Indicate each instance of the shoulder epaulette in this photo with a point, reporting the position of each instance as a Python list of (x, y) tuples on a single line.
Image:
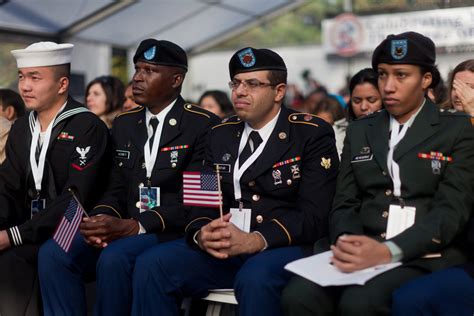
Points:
[(369, 116), (453, 112), (196, 109), (134, 110), (304, 118), (233, 120)]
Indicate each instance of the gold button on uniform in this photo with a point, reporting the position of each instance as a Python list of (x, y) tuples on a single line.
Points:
[(138, 204), (384, 173), (255, 197), (259, 219), (120, 164), (141, 185), (289, 182), (385, 214), (173, 165), (251, 183), (383, 235), (388, 192)]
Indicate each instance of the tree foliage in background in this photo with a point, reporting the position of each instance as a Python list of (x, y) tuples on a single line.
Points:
[(9, 74), (298, 27)]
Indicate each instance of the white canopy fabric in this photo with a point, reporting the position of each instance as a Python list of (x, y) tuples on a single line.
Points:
[(193, 24)]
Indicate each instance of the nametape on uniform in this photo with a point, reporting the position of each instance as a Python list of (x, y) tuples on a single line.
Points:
[(433, 155), (124, 154), (223, 167), (285, 162), (174, 148), (360, 158)]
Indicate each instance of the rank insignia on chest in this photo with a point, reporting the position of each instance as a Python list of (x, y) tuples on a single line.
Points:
[(365, 150), (65, 136), (276, 174), (174, 156), (226, 157), (326, 163), (436, 166), (295, 171)]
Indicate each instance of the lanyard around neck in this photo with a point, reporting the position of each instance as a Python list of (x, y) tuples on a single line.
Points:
[(150, 156), (396, 135), (238, 172), (37, 167)]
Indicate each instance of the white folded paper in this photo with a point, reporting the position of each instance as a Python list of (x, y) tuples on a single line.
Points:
[(319, 270)]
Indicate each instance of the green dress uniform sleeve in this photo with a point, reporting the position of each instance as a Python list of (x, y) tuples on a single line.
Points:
[(344, 216)]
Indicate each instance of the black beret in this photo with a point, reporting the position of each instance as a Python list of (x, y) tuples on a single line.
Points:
[(253, 59), (161, 53), (405, 48)]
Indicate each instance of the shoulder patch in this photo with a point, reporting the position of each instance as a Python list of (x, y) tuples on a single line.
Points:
[(303, 118), (134, 110), (196, 109), (233, 120)]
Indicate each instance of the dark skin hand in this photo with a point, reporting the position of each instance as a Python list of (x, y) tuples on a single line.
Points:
[(99, 230)]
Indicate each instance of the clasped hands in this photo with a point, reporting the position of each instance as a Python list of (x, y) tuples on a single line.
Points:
[(222, 239), (99, 230), (357, 252)]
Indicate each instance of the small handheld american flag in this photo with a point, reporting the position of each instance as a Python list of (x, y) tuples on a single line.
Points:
[(201, 189), (69, 225)]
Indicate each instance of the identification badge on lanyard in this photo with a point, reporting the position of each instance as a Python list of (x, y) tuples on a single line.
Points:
[(241, 218), (37, 206), (399, 219), (149, 198)]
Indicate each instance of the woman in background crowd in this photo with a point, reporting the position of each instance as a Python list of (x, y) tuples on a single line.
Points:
[(129, 101), (104, 97), (11, 108), (462, 87), (330, 110), (364, 94), (217, 102)]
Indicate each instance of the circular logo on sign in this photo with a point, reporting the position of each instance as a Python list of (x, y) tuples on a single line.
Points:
[(346, 35)]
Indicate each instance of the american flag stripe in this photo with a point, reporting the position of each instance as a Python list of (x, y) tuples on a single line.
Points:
[(69, 225), (201, 189)]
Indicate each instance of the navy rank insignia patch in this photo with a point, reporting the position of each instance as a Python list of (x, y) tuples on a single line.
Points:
[(399, 48), (247, 58), (150, 53)]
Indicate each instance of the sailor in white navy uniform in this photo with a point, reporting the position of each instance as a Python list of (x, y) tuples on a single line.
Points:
[(59, 146)]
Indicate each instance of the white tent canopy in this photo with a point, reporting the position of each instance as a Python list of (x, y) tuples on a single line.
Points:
[(193, 24)]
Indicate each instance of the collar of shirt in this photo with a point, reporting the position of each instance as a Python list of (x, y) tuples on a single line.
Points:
[(412, 118), (160, 116), (265, 131)]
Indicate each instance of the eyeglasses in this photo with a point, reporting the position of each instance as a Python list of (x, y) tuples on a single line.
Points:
[(250, 84)]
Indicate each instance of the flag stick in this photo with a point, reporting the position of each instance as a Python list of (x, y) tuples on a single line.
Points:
[(77, 200), (220, 192)]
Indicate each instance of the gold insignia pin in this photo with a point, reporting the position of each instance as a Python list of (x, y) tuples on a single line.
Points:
[(172, 122), (326, 163), (282, 135)]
